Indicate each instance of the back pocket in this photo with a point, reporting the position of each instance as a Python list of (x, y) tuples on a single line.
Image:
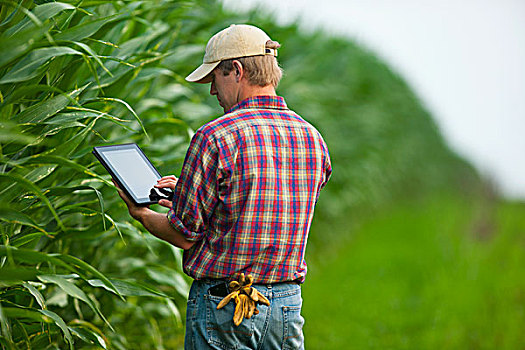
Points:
[(293, 328), (220, 329)]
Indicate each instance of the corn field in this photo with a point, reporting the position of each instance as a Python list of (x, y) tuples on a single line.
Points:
[(76, 271)]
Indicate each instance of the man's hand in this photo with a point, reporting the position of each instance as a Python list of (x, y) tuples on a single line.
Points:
[(135, 211), (169, 181)]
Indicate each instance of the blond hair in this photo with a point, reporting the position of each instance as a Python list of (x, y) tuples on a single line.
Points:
[(262, 70)]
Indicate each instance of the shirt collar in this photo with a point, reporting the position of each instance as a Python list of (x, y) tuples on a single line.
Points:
[(260, 102)]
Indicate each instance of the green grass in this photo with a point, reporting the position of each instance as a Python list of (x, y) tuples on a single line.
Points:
[(445, 273)]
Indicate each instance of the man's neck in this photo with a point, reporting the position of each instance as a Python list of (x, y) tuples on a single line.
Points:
[(254, 90)]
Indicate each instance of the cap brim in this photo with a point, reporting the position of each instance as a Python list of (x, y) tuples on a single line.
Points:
[(202, 73)]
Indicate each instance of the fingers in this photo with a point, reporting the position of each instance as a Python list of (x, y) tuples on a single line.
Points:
[(169, 181), (165, 203), (166, 184), (239, 310)]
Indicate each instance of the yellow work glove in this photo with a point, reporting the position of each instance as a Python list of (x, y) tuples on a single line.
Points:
[(246, 298)]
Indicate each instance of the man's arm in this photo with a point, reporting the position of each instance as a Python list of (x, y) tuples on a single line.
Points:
[(156, 223)]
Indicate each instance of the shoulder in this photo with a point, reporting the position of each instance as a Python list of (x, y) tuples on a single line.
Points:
[(253, 117), (232, 122)]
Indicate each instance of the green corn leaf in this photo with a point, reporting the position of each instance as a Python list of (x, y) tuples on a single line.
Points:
[(40, 173), (90, 331), (120, 61), (33, 257), (33, 63), (41, 111), (20, 43), (87, 29), (183, 53), (52, 128), (92, 69), (42, 13), (115, 224), (6, 329), (72, 290), (129, 109), (10, 215), (69, 262), (18, 313), (66, 190), (18, 274), (9, 12), (27, 184), (10, 133), (84, 233), (105, 43), (89, 336), (34, 292), (120, 73), (139, 43), (170, 277), (56, 122), (20, 240), (84, 266), (68, 117), (152, 73), (130, 288), (94, 113), (80, 208), (92, 54), (61, 324), (62, 161), (10, 283), (175, 312), (27, 91), (152, 103), (63, 190), (69, 147), (177, 254), (21, 12)]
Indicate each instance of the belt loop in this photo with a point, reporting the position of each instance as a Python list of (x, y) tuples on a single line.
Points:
[(270, 292)]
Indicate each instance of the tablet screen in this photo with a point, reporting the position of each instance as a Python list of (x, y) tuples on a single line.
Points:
[(131, 167)]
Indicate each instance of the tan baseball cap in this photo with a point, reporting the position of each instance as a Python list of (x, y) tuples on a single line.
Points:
[(238, 40)]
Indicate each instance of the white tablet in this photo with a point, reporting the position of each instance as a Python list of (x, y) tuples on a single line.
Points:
[(133, 172)]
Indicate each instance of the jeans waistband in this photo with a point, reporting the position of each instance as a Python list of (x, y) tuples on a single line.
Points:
[(227, 280), (270, 290)]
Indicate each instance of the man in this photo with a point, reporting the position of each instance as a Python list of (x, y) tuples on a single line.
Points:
[(244, 202)]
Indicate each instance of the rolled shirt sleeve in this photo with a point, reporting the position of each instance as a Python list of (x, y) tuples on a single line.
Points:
[(195, 194), (327, 165)]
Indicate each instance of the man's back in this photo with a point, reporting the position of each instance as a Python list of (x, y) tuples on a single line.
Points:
[(259, 169)]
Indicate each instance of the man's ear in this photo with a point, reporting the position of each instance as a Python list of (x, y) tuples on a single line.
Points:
[(238, 70)]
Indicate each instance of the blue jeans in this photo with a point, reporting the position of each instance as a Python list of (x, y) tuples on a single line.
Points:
[(278, 326)]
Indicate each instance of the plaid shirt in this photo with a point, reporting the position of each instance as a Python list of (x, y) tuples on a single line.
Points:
[(247, 191)]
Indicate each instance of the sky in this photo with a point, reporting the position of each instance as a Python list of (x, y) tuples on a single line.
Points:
[(464, 59)]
